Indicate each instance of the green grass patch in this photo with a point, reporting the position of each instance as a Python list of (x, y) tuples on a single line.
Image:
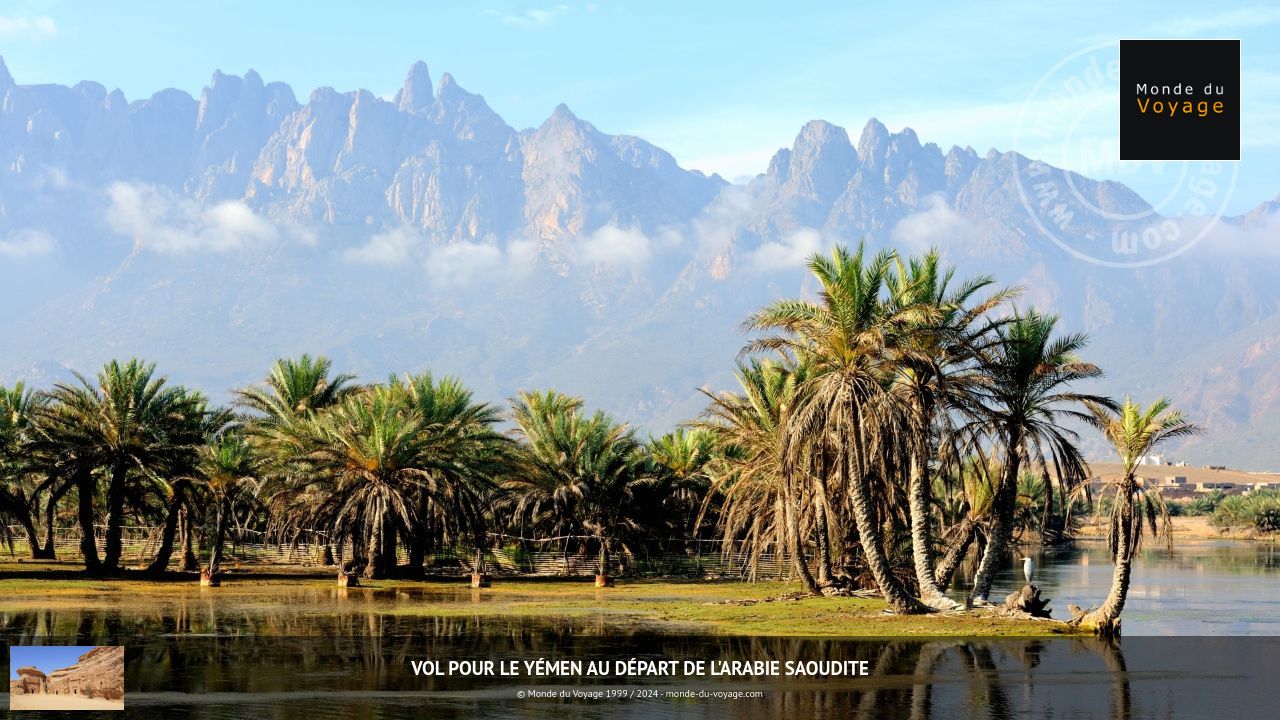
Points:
[(711, 607)]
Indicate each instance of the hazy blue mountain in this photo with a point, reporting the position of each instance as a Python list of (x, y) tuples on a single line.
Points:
[(214, 235)]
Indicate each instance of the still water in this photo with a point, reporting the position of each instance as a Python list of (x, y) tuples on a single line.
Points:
[(1215, 587), (1202, 641)]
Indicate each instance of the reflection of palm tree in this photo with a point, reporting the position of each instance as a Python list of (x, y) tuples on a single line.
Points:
[(930, 654), (1121, 693), (994, 700)]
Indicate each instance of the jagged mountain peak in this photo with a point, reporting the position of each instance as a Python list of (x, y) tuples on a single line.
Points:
[(872, 140), (6, 80), (821, 138), (449, 87), (416, 95), (562, 121)]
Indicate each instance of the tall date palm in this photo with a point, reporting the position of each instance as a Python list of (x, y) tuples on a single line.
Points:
[(853, 344), (1133, 431), (1025, 400)]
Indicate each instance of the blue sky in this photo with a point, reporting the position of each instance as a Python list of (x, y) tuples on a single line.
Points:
[(45, 657), (720, 85)]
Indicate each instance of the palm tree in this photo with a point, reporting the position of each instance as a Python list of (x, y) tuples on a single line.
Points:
[(1133, 432), (683, 461), (452, 497), (296, 388), (18, 408), (359, 469), (751, 481), (227, 468), (175, 486), (852, 342), (1023, 403), (127, 426), (294, 391), (579, 473), (938, 374)]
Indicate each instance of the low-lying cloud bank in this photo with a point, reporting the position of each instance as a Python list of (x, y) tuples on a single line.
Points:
[(166, 222)]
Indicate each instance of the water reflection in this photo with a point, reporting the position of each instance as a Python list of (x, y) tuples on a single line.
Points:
[(309, 651), (1199, 588), (359, 666)]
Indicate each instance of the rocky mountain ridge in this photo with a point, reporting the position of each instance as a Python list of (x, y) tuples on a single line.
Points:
[(422, 231)]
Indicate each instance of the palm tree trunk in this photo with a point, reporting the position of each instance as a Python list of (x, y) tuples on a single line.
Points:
[(418, 540), (390, 547), (50, 552), (868, 534), (1047, 522), (189, 561), (219, 536), (955, 554), (165, 553), (88, 541), (1006, 497), (33, 540), (1106, 619), (824, 541), (115, 519), (823, 518), (796, 546), (922, 535)]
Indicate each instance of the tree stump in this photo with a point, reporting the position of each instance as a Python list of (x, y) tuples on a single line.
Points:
[(603, 581), (481, 580), (346, 579), (1028, 600), (208, 579)]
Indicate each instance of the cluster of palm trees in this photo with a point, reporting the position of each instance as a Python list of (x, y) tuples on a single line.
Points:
[(902, 417), (413, 464), (882, 431)]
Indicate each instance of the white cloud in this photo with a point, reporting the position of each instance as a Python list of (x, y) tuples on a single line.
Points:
[(1258, 239), (522, 254), (530, 19), (388, 248), (718, 226), (460, 263), (936, 225), (27, 243), (612, 245), (792, 252), (165, 222), (28, 28)]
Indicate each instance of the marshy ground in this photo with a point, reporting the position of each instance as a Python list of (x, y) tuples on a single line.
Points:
[(282, 598)]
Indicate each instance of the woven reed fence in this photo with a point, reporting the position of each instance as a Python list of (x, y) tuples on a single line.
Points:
[(508, 556)]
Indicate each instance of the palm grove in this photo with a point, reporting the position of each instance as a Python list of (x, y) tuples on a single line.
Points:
[(901, 422)]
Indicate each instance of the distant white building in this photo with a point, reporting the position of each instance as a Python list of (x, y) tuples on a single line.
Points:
[(1153, 460)]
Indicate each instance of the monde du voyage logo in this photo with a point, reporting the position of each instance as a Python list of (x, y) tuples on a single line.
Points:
[(1179, 99)]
